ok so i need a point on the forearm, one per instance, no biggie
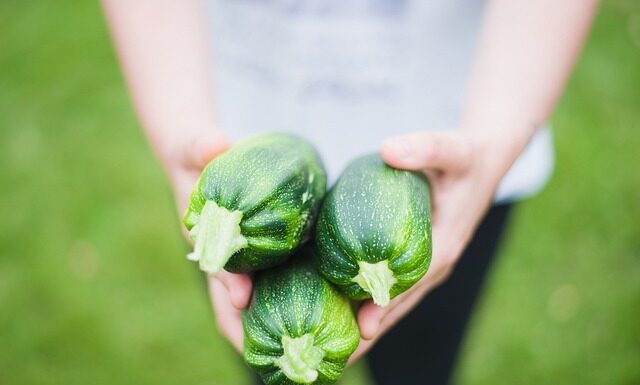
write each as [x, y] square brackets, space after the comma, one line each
[524, 57]
[163, 49]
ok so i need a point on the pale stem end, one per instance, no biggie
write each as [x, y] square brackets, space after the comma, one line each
[216, 236]
[376, 279]
[301, 359]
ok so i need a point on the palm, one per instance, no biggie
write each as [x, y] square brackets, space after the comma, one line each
[229, 293]
[461, 193]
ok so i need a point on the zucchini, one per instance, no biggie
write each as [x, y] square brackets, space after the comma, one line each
[374, 230]
[254, 204]
[298, 328]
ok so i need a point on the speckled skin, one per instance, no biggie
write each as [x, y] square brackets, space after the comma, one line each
[294, 299]
[277, 181]
[374, 213]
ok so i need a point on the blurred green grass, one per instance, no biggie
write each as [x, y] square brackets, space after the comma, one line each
[94, 287]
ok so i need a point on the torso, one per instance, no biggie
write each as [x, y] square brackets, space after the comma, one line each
[348, 74]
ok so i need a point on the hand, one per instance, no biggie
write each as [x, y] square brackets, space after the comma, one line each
[185, 156]
[230, 293]
[464, 169]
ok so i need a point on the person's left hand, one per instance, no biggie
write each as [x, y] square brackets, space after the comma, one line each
[464, 169]
[184, 158]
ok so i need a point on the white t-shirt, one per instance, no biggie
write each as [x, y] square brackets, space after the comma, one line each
[347, 74]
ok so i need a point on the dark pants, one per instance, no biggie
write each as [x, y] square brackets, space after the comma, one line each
[422, 348]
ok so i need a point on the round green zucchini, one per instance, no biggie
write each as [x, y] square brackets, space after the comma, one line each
[374, 230]
[298, 328]
[254, 203]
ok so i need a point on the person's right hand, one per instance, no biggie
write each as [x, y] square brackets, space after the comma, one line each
[184, 161]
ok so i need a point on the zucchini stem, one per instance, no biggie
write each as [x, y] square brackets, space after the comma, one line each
[301, 359]
[376, 279]
[216, 237]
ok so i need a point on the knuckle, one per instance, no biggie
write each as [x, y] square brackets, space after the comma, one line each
[447, 272]
[466, 153]
[442, 278]
[450, 260]
[443, 273]
[433, 151]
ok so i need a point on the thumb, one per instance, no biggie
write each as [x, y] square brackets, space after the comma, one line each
[201, 149]
[369, 319]
[191, 156]
[238, 285]
[447, 152]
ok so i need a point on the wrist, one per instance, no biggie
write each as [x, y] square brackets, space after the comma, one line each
[500, 142]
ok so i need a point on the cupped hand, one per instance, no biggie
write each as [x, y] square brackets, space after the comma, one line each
[229, 293]
[463, 169]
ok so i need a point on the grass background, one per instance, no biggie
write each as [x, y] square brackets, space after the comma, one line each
[94, 287]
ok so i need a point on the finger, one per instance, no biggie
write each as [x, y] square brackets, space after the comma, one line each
[227, 316]
[403, 307]
[455, 221]
[408, 300]
[374, 320]
[369, 317]
[363, 348]
[200, 150]
[184, 183]
[449, 152]
[238, 286]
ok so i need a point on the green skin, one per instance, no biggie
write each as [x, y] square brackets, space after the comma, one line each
[375, 213]
[274, 183]
[293, 302]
